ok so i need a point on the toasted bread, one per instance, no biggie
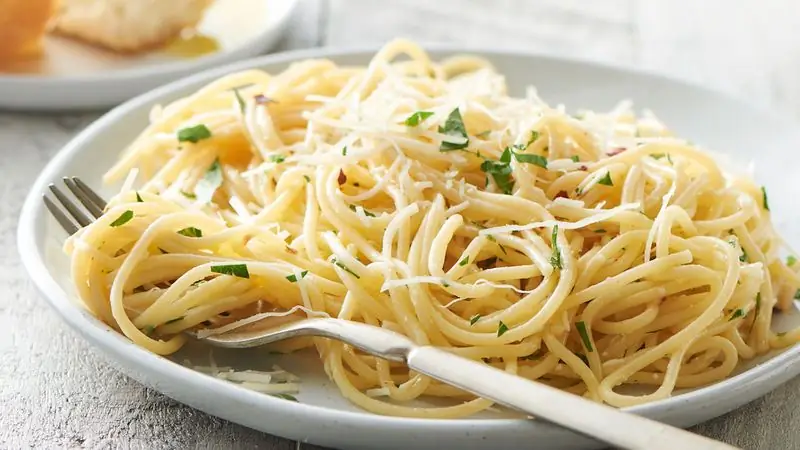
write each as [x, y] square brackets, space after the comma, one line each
[127, 26]
[22, 26]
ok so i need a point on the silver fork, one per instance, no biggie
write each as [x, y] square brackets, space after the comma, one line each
[586, 417]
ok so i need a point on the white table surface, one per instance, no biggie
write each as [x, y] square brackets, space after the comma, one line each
[55, 392]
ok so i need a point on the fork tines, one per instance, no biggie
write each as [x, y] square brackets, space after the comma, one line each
[92, 203]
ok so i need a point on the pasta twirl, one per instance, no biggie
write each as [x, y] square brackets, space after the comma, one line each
[591, 252]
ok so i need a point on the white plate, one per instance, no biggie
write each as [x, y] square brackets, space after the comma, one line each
[322, 416]
[74, 75]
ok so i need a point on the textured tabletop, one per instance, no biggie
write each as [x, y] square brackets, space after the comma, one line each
[56, 392]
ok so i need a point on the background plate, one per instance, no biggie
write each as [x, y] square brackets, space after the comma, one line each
[74, 75]
[322, 416]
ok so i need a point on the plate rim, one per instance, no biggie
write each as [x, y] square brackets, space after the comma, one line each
[106, 339]
[257, 41]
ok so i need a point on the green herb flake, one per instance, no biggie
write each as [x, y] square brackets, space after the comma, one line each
[537, 160]
[191, 232]
[171, 321]
[575, 158]
[606, 180]
[764, 197]
[501, 328]
[210, 182]
[500, 171]
[791, 260]
[416, 118]
[491, 238]
[188, 195]
[122, 219]
[239, 99]
[289, 397]
[464, 261]
[533, 138]
[600, 230]
[555, 259]
[237, 270]
[194, 134]
[139, 197]
[345, 268]
[148, 329]
[797, 295]
[454, 127]
[344, 151]
[474, 319]
[293, 277]
[277, 159]
[658, 155]
[758, 310]
[581, 326]
[736, 314]
[308, 180]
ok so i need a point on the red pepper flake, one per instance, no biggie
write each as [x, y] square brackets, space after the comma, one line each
[583, 168]
[616, 151]
[291, 250]
[342, 177]
[262, 99]
[562, 194]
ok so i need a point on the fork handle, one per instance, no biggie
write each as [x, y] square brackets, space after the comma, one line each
[621, 429]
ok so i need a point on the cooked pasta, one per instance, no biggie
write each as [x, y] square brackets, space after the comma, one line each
[591, 252]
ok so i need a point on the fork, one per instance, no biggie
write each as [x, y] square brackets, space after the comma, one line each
[586, 417]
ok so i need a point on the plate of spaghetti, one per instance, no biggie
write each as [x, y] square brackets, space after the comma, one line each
[629, 256]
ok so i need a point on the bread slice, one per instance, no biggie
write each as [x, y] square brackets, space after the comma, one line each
[127, 26]
[22, 27]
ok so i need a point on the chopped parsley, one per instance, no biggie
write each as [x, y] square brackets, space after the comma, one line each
[599, 230]
[736, 314]
[188, 195]
[293, 277]
[658, 155]
[791, 260]
[415, 119]
[289, 397]
[148, 329]
[366, 213]
[345, 268]
[581, 326]
[606, 180]
[555, 259]
[474, 319]
[533, 138]
[191, 232]
[237, 270]
[764, 197]
[537, 160]
[212, 180]
[344, 151]
[464, 261]
[575, 158]
[239, 99]
[454, 126]
[500, 171]
[139, 197]
[501, 328]
[194, 134]
[177, 319]
[277, 159]
[122, 219]
[308, 180]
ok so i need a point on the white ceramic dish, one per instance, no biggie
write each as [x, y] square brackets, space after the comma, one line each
[322, 416]
[73, 75]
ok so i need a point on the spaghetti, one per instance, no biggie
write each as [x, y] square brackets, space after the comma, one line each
[589, 252]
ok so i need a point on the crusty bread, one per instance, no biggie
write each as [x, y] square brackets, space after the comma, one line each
[22, 26]
[127, 26]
